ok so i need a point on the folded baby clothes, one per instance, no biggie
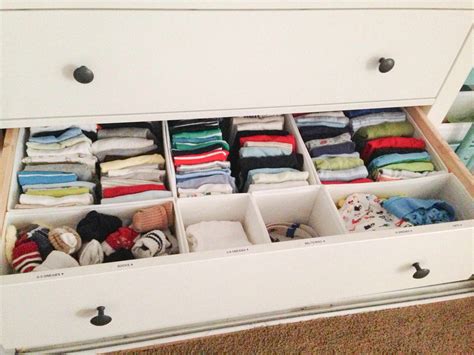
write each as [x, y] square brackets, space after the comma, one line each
[385, 151]
[206, 190]
[402, 174]
[116, 191]
[373, 145]
[282, 232]
[134, 161]
[337, 163]
[142, 196]
[320, 132]
[359, 172]
[389, 159]
[247, 152]
[220, 179]
[210, 156]
[287, 139]
[126, 132]
[333, 149]
[79, 148]
[48, 201]
[345, 137]
[106, 144]
[44, 177]
[339, 182]
[363, 112]
[88, 160]
[67, 191]
[364, 212]
[262, 178]
[60, 145]
[55, 136]
[373, 119]
[90, 186]
[386, 129]
[83, 172]
[215, 235]
[193, 125]
[418, 166]
[120, 153]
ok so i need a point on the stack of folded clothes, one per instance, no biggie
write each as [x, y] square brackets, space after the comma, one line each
[59, 169]
[130, 165]
[200, 158]
[327, 136]
[385, 139]
[264, 155]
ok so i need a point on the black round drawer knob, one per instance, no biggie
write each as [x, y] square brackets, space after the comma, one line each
[83, 75]
[386, 64]
[101, 318]
[420, 272]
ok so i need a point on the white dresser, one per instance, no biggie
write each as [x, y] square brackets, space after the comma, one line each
[154, 60]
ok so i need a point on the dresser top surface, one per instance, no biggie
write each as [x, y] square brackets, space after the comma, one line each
[233, 4]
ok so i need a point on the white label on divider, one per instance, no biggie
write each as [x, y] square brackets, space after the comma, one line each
[236, 251]
[50, 275]
[314, 241]
[120, 266]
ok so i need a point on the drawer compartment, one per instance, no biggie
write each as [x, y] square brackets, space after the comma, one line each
[190, 290]
[285, 59]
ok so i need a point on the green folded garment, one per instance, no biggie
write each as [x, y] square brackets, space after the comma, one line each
[67, 191]
[386, 129]
[417, 167]
[198, 134]
[338, 163]
[192, 146]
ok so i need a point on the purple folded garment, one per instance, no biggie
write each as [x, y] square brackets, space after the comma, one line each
[341, 148]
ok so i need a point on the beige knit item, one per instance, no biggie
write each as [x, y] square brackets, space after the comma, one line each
[150, 218]
[65, 239]
[168, 206]
[10, 239]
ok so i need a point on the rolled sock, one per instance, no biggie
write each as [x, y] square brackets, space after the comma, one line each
[91, 253]
[39, 235]
[26, 257]
[150, 244]
[65, 239]
[122, 238]
[290, 231]
[97, 226]
[119, 255]
[83, 172]
[57, 260]
[147, 219]
[215, 235]
[10, 239]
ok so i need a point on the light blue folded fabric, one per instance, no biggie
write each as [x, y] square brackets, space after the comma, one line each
[193, 175]
[419, 211]
[258, 152]
[321, 123]
[141, 196]
[213, 179]
[388, 159]
[44, 177]
[70, 133]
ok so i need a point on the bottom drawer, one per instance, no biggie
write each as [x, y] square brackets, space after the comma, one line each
[184, 290]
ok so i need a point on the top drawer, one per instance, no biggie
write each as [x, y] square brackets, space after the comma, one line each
[184, 61]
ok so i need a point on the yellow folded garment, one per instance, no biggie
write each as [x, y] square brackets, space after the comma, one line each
[126, 163]
[67, 191]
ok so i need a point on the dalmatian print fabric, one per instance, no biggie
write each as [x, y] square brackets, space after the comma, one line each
[364, 212]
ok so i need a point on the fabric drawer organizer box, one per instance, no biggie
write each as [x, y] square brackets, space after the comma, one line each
[262, 275]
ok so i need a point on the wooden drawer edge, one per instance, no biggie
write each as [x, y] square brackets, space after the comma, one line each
[7, 159]
[450, 159]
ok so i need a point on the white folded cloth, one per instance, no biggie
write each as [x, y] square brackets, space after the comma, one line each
[57, 260]
[80, 148]
[48, 201]
[85, 159]
[215, 235]
[281, 185]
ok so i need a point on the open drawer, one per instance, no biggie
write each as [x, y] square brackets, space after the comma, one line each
[210, 288]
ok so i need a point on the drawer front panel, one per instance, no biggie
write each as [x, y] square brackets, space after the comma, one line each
[182, 61]
[175, 295]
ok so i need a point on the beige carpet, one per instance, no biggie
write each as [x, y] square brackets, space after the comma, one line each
[441, 328]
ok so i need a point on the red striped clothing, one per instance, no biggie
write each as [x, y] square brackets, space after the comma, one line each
[390, 142]
[201, 158]
[290, 139]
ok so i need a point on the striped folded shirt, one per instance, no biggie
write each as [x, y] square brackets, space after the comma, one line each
[213, 155]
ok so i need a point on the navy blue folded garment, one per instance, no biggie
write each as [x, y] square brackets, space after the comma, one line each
[320, 132]
[357, 113]
[341, 148]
